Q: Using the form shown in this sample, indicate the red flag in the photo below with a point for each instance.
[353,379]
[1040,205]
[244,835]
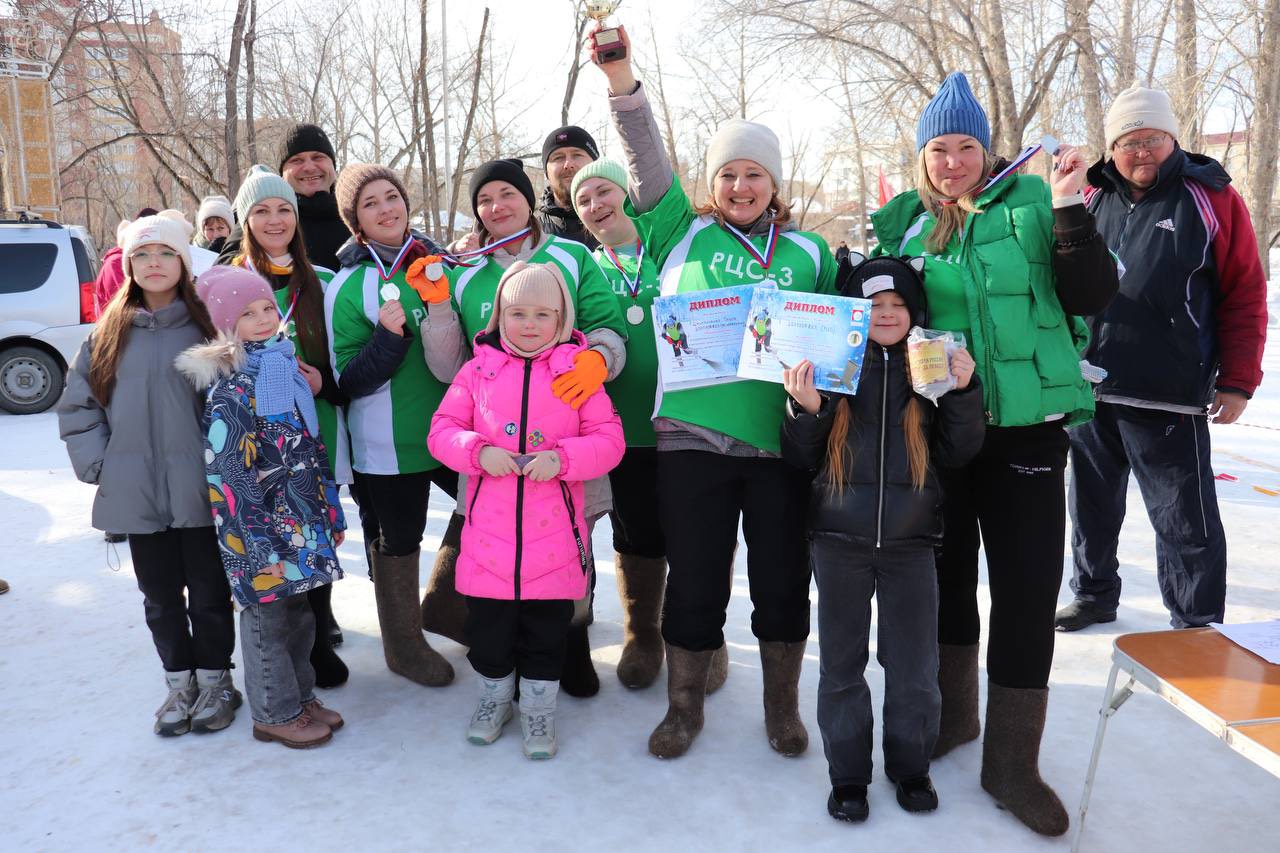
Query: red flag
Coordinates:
[885,191]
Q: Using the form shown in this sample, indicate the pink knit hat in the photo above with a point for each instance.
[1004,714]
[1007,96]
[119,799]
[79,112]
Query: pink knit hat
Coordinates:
[227,290]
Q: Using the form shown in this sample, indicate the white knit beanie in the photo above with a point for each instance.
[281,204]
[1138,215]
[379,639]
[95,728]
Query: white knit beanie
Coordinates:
[168,228]
[738,139]
[1137,108]
[214,205]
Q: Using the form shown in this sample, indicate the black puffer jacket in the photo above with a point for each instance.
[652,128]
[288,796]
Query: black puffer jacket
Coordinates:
[563,221]
[880,506]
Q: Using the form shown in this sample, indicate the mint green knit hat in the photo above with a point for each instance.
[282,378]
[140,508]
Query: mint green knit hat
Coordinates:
[610,170]
[260,183]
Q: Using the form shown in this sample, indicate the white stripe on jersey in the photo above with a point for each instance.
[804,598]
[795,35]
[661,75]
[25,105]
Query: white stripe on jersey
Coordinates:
[671,270]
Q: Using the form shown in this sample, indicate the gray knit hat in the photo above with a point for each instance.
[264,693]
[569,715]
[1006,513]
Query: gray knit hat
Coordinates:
[351,182]
[260,184]
[1137,108]
[738,139]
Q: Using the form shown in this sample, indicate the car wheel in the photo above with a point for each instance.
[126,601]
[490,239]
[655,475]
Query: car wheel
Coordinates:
[30,380]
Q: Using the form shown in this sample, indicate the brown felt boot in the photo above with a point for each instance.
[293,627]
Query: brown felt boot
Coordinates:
[686,691]
[395,588]
[641,582]
[958,681]
[444,610]
[780,663]
[1011,758]
[719,669]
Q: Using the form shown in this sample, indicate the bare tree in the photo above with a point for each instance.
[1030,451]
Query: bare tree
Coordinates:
[231,115]
[471,115]
[575,61]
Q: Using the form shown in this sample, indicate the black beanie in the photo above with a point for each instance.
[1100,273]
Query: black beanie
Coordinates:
[570,136]
[863,279]
[511,171]
[306,137]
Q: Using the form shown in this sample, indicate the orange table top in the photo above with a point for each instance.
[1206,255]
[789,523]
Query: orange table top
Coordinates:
[1212,671]
[1266,735]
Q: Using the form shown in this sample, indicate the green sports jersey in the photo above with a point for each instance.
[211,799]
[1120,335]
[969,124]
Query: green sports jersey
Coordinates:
[388,427]
[634,390]
[473,288]
[333,423]
[694,253]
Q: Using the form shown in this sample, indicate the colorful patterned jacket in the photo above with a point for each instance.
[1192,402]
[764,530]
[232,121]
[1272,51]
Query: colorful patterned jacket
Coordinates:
[275,504]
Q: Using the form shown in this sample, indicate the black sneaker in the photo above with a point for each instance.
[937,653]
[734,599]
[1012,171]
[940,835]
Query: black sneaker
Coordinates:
[917,795]
[848,803]
[1081,614]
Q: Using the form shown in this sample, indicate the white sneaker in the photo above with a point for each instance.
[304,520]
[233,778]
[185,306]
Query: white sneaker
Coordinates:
[538,717]
[174,716]
[216,705]
[493,711]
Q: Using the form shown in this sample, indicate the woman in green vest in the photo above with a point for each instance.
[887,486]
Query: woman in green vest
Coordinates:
[267,209]
[718,460]
[1012,264]
[376,353]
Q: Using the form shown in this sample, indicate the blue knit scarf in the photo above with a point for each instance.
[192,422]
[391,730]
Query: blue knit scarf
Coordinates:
[278,384]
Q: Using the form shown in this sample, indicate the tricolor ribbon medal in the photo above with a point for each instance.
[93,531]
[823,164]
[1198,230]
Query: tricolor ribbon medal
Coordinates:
[635,314]
[389,290]
[771,244]
[460,259]
[284,321]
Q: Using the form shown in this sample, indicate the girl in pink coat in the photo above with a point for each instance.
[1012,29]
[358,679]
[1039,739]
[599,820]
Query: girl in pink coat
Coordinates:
[526,552]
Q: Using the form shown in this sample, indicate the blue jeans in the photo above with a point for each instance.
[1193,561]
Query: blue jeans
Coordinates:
[275,644]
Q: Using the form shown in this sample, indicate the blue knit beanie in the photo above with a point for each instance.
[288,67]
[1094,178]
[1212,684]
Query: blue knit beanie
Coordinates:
[953,109]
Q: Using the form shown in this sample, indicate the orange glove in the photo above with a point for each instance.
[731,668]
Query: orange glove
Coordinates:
[577,386]
[431,290]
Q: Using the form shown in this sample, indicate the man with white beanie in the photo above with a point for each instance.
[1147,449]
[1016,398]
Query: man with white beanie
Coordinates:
[1182,342]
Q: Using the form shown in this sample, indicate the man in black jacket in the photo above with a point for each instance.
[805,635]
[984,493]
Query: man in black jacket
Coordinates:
[307,163]
[565,151]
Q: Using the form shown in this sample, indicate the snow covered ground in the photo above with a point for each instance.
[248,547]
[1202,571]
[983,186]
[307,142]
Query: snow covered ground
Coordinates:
[81,769]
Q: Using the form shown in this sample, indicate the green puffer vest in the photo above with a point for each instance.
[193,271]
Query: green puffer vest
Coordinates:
[1027,349]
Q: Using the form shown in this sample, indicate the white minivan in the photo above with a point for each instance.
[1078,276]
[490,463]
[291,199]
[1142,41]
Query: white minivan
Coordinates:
[46,305]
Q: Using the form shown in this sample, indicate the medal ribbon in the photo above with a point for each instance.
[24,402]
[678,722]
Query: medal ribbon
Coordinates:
[284,321]
[771,243]
[383,272]
[1046,143]
[633,284]
[460,258]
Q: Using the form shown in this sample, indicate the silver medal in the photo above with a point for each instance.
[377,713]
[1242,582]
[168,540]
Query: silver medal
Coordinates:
[635,315]
[389,292]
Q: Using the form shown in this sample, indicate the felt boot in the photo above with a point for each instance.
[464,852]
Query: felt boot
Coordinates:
[444,610]
[958,681]
[1011,758]
[719,669]
[641,582]
[578,678]
[395,588]
[780,663]
[330,670]
[686,693]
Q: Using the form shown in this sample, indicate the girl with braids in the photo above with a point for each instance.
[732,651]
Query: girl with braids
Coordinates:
[272,246]
[875,517]
[132,427]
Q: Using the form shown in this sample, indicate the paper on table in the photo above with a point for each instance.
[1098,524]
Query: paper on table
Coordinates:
[1261,638]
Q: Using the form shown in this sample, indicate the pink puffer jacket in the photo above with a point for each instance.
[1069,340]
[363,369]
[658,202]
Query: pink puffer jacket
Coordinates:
[521,535]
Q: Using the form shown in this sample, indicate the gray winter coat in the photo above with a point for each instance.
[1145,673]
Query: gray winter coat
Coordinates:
[144,450]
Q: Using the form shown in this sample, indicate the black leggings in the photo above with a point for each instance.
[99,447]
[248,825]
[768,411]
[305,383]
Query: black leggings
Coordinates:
[1013,491]
[400,505]
[637,530]
[704,495]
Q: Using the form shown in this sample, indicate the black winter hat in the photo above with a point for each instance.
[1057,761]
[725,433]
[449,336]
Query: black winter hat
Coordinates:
[305,137]
[863,278]
[569,136]
[511,171]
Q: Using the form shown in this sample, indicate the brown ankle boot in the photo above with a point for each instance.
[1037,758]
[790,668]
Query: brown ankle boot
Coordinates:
[321,714]
[958,682]
[641,582]
[395,589]
[444,610]
[780,663]
[302,732]
[1011,758]
[686,691]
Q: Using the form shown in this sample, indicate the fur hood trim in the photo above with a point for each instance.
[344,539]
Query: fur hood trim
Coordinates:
[206,363]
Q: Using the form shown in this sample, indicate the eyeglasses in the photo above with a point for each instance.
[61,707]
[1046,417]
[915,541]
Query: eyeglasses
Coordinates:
[1133,146]
[144,258]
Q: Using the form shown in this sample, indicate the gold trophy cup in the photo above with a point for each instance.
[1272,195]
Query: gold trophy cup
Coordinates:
[609,46]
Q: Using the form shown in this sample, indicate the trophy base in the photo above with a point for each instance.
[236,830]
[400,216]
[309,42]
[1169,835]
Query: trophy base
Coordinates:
[609,46]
